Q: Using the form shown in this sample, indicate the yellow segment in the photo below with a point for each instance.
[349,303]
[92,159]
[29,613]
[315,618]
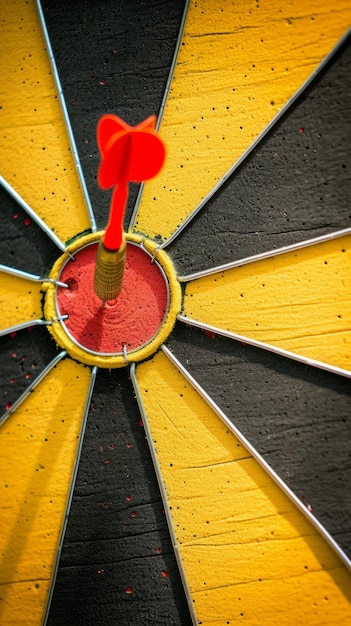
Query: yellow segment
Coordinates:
[239,64]
[38,447]
[20,300]
[299,301]
[35,154]
[249,554]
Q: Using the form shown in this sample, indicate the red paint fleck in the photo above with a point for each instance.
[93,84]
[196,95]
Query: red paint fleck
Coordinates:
[106,505]
[101,448]
[92,76]
[107,462]
[309,508]
[134,514]
[126,95]
[164,574]
[128,590]
[102,82]
[115,51]
[141,423]
[112,445]
[14,354]
[302,130]
[8,406]
[128,444]
[128,498]
[158,550]
[12,380]
[27,221]
[30,329]
[15,216]
[13,334]
[210,334]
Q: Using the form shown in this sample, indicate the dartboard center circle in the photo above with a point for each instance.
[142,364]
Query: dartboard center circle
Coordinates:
[127,329]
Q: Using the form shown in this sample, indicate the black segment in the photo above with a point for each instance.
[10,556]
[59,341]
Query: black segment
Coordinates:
[117,564]
[112,57]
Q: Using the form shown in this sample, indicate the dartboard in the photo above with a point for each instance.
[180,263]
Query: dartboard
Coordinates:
[203,476]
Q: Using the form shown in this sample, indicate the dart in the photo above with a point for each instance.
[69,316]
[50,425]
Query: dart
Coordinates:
[129,154]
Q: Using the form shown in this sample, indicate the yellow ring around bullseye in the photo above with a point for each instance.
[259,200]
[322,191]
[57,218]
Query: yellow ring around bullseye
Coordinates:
[77,352]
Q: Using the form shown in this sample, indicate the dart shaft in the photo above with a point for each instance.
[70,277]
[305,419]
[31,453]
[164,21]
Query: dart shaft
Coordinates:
[109,271]
[114,232]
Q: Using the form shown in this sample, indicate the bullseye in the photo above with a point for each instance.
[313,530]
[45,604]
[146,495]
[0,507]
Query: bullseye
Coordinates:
[128,328]
[131,320]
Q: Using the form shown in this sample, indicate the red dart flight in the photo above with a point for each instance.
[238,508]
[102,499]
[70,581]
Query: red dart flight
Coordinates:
[129,154]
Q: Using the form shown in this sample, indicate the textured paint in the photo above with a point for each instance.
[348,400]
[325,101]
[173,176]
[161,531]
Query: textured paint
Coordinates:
[20,300]
[39,440]
[238,65]
[300,301]
[114,360]
[36,157]
[283,577]
[249,554]
[38,448]
[131,320]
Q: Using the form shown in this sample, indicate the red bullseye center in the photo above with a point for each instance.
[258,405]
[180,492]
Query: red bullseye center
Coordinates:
[124,324]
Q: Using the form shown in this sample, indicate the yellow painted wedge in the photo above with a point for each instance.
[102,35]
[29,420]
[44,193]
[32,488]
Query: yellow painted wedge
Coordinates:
[299,301]
[36,157]
[238,66]
[38,449]
[249,554]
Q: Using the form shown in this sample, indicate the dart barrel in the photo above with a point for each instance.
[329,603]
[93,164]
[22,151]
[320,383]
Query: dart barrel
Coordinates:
[109,271]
